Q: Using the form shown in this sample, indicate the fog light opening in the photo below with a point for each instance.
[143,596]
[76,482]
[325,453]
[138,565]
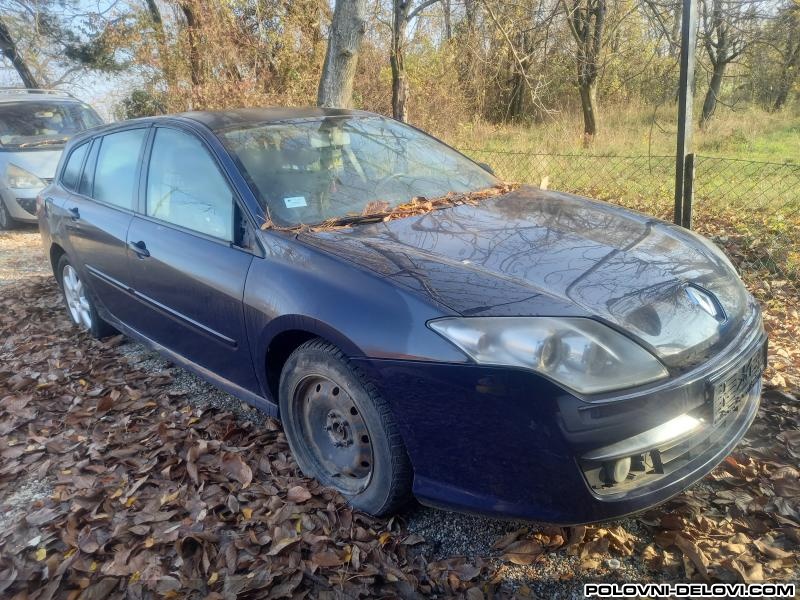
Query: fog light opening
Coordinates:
[616,471]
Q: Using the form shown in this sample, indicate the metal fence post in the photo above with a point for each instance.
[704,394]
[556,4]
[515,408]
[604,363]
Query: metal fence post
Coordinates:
[685,100]
[688,191]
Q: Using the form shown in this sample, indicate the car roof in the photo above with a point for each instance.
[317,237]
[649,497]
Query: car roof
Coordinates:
[221,120]
[218,120]
[34,95]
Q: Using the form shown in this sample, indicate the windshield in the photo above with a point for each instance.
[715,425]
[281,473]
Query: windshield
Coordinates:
[37,124]
[311,171]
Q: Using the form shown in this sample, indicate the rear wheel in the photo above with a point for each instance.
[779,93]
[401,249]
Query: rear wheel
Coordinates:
[6,221]
[80,306]
[341,432]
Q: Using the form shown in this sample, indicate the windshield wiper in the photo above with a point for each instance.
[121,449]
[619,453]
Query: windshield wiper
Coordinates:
[415,207]
[50,142]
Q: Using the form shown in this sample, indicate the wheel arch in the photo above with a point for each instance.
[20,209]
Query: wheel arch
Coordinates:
[287,333]
[56,252]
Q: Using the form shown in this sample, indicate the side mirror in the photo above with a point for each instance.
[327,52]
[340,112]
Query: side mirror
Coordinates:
[486,167]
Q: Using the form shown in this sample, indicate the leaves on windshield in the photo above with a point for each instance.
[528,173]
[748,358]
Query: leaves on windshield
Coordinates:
[379,210]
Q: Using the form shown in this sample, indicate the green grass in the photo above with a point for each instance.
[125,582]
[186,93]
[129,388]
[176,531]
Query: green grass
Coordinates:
[750,134]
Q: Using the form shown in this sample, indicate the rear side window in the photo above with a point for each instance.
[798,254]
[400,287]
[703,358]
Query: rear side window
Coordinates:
[185,186]
[72,170]
[115,173]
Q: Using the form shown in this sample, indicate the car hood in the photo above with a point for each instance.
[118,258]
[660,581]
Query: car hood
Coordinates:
[534,252]
[41,163]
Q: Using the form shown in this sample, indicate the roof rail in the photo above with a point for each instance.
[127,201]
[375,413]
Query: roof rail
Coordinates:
[33,91]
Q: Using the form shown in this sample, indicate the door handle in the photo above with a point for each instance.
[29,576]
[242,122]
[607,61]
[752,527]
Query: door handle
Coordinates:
[74,213]
[139,249]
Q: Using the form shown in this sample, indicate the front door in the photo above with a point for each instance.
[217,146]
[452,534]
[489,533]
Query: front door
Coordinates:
[188,273]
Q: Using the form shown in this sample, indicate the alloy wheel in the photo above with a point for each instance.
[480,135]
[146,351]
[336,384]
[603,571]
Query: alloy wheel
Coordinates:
[335,433]
[77,301]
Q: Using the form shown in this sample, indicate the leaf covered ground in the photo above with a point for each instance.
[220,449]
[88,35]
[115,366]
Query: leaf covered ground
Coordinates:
[115,484]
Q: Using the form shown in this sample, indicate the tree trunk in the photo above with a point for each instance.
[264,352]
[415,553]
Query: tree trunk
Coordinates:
[591,120]
[347,30]
[448,27]
[399,79]
[517,100]
[783,93]
[9,50]
[675,34]
[195,70]
[714,87]
[155,14]
[788,77]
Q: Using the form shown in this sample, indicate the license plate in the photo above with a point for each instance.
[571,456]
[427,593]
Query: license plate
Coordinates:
[729,392]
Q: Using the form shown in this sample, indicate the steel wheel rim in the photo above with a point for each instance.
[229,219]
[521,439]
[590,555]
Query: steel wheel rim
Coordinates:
[77,301]
[334,433]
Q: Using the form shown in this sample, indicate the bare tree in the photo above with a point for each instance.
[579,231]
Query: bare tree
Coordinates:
[347,31]
[524,31]
[9,50]
[403,11]
[447,11]
[728,28]
[193,28]
[788,26]
[587,19]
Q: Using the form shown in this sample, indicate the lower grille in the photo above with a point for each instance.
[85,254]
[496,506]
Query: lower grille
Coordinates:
[650,466]
[28,205]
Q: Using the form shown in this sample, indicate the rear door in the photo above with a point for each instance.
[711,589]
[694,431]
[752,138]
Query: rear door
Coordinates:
[187,269]
[97,212]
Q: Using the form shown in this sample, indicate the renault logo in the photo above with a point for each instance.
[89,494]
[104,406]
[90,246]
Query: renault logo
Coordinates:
[706,301]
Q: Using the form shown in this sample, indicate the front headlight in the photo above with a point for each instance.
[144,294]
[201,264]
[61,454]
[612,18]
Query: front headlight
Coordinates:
[579,353]
[19,178]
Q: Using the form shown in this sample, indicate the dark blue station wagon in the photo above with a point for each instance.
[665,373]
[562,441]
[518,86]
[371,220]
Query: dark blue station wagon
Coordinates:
[510,351]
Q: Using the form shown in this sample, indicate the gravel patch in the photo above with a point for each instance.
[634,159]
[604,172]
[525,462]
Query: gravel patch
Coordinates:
[28,491]
[197,391]
[21,255]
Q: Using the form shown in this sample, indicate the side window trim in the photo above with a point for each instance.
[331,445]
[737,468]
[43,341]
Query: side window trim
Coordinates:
[91,156]
[140,204]
[238,204]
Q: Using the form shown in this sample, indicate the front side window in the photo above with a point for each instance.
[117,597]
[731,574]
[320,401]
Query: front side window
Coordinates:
[117,162]
[185,186]
[36,124]
[312,170]
[72,170]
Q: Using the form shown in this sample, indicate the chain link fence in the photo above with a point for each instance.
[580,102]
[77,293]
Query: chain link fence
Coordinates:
[751,209]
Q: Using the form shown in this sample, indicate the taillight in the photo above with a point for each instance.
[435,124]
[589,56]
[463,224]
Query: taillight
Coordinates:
[40,205]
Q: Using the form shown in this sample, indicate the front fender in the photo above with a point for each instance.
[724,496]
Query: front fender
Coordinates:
[295,287]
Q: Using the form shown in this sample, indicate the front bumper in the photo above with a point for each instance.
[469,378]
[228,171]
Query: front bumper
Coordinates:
[507,442]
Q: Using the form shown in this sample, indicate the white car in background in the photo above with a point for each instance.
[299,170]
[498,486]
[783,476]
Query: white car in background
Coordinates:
[34,127]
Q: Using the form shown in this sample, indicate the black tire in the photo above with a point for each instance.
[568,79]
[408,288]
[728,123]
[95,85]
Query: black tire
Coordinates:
[6,221]
[387,487]
[98,328]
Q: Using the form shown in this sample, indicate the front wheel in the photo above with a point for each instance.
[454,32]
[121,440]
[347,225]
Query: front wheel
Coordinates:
[80,307]
[341,432]
[6,221]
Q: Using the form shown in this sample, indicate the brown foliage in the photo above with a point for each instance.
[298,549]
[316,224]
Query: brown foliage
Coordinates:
[151,494]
